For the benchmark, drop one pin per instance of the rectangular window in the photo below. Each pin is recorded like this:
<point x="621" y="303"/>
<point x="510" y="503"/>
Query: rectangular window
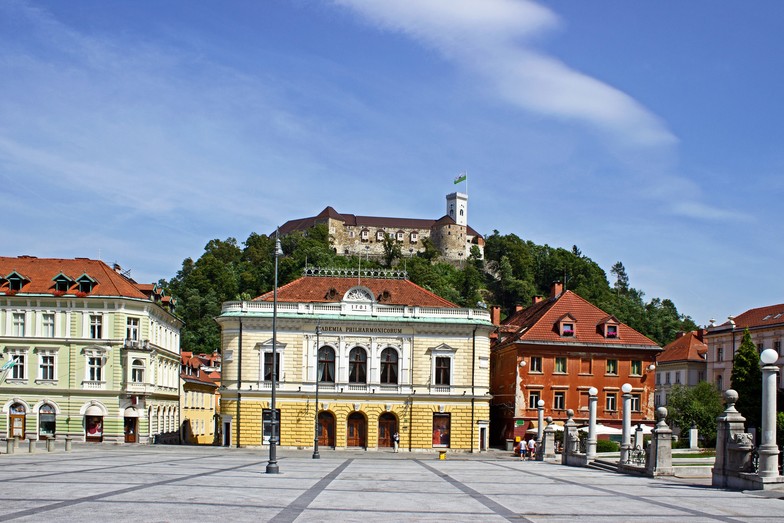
<point x="612" y="367"/>
<point x="635" y="403"/>
<point x="719" y="353"/>
<point x="533" y="399"/>
<point x="441" y="429"/>
<point x="18" y="371"/>
<point x="677" y="377"/>
<point x="132" y="329"/>
<point x="560" y="365"/>
<point x="658" y="378"/>
<point x="47" y="324"/>
<point x="586" y="366"/>
<point x="266" y="419"/>
<point x="777" y="346"/>
<point x="760" y="347"/>
<point x="636" y="368"/>
<point x="268" y="365"/>
<point x="536" y="364"/>
<point x="667" y="379"/>
<point x="567" y="329"/>
<point x="96" y="327"/>
<point x="559" y="400"/>
<point x="94" y="369"/>
<point x="442" y="370"/>
<point x="19" y="324"/>
<point x="612" y="331"/>
<point x="47" y="368"/>
<point x="611" y="401"/>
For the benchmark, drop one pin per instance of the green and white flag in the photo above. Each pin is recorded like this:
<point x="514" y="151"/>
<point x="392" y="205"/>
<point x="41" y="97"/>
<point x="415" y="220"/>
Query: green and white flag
<point x="461" y="177"/>
<point x="8" y="364"/>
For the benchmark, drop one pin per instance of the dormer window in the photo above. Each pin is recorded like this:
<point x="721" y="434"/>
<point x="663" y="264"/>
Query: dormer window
<point x="16" y="281"/>
<point x="86" y="283"/>
<point x="612" y="331"/>
<point x="62" y="283"/>
<point x="399" y="236"/>
<point x="608" y="327"/>
<point x="566" y="326"/>
<point x="414" y="237"/>
<point x="364" y="235"/>
<point x="379" y="236"/>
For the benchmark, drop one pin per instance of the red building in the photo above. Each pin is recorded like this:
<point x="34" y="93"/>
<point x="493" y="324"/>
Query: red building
<point x="555" y="351"/>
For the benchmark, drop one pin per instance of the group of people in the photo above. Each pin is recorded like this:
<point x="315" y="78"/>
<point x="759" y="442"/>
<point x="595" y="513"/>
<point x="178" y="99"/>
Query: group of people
<point x="527" y="449"/>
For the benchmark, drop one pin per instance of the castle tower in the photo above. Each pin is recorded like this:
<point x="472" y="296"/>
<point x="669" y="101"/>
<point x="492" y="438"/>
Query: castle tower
<point x="457" y="207"/>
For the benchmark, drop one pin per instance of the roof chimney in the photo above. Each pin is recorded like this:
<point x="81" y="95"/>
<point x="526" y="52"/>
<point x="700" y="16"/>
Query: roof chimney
<point x="495" y="314"/>
<point x="536" y="299"/>
<point x="680" y="335"/>
<point x="117" y="268"/>
<point x="518" y="308"/>
<point x="556" y="290"/>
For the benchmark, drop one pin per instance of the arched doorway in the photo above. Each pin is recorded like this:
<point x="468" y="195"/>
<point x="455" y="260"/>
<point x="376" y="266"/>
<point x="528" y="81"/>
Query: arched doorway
<point x="93" y="424"/>
<point x="387" y="425"/>
<point x="326" y="429"/>
<point x="356" y="429"/>
<point x="131" y="426"/>
<point x="16" y="421"/>
<point x="47" y="421"/>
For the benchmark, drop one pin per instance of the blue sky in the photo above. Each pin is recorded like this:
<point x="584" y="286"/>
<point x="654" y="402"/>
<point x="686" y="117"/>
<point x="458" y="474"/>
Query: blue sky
<point x="648" y="133"/>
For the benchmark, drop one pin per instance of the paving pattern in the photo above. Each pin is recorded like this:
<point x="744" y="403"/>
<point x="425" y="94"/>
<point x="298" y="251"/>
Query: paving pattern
<point x="178" y="484"/>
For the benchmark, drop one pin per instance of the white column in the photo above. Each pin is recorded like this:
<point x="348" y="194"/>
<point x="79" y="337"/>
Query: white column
<point x="627" y="422"/>
<point x="768" y="450"/>
<point x="590" y="445"/>
<point x="540" y="408"/>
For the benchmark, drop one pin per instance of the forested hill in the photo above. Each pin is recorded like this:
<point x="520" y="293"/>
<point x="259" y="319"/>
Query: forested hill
<point x="512" y="273"/>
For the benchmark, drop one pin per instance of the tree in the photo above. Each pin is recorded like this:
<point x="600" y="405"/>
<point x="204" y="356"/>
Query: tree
<point x="746" y="379"/>
<point x="391" y="250"/>
<point x="699" y="405"/>
<point x="621" y="278"/>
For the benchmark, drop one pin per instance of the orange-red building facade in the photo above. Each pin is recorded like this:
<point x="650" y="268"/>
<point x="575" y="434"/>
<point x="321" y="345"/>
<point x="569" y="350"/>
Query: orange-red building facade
<point x="555" y="351"/>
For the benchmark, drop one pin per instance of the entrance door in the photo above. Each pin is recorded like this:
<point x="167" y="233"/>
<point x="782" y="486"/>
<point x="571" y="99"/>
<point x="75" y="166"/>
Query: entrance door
<point x="94" y="428"/>
<point x="387" y="425"/>
<point x="355" y="433"/>
<point x="326" y="429"/>
<point x="17" y="421"/>
<point x="131" y="427"/>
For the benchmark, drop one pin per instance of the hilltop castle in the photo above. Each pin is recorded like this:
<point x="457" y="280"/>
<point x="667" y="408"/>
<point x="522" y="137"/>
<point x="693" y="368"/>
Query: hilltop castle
<point x="350" y="234"/>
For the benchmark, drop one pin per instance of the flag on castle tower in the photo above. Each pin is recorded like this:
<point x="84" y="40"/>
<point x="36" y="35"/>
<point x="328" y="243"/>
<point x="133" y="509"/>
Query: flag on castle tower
<point x="461" y="177"/>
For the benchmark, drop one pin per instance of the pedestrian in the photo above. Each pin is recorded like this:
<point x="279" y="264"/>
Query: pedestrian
<point x="395" y="441"/>
<point x="531" y="448"/>
<point x="522" y="450"/>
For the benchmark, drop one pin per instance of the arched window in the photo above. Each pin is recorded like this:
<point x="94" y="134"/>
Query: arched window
<point x="326" y="364"/>
<point x="357" y="365"/>
<point x="389" y="366"/>
<point x="137" y="371"/>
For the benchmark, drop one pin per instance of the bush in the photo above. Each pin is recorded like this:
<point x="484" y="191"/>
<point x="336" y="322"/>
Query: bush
<point x="605" y="445"/>
<point x="680" y="443"/>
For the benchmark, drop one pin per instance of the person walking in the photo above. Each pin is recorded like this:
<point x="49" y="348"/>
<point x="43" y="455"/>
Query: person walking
<point x="395" y="441"/>
<point x="531" y="449"/>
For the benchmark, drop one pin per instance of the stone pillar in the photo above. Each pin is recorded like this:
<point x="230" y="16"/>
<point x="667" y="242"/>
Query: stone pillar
<point x="730" y="425"/>
<point x="590" y="444"/>
<point x="694" y="442"/>
<point x="50" y="444"/>
<point x="68" y="443"/>
<point x="571" y="442"/>
<point x="31" y="440"/>
<point x="768" y="450"/>
<point x="659" y="462"/>
<point x="638" y="439"/>
<point x="9" y="446"/>
<point x="627" y="423"/>
<point x="16" y="443"/>
<point x="546" y="450"/>
<point x="540" y="421"/>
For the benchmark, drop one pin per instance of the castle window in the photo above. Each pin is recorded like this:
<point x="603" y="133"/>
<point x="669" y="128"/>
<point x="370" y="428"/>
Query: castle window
<point x="379" y="236"/>
<point x="365" y="235"/>
<point x="399" y="236"/>
<point x="414" y="237"/>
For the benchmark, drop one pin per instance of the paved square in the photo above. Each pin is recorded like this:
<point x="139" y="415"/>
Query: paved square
<point x="173" y="484"/>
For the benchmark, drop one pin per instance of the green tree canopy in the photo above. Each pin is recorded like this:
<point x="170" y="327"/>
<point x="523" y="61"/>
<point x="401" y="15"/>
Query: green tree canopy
<point x="746" y="379"/>
<point x="699" y="405"/>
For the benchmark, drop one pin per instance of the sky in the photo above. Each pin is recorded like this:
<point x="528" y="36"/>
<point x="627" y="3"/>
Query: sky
<point x="643" y="132"/>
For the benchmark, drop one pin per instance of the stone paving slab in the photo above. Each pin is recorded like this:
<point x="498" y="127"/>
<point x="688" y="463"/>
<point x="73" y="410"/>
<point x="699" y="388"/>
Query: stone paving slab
<point x="187" y="484"/>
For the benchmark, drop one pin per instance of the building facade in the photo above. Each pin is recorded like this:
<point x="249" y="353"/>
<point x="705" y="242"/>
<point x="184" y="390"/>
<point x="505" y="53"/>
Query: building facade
<point x="364" y="235"/>
<point x="555" y="351"/>
<point x="382" y="355"/>
<point x="200" y="399"/>
<point x="766" y="326"/>
<point x="683" y="362"/>
<point x="87" y="353"/>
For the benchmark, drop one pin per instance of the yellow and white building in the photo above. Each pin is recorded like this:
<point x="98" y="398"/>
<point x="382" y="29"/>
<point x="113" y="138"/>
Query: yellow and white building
<point x="383" y="355"/>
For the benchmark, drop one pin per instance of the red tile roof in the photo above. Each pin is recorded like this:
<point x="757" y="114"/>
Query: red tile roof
<point x="41" y="273"/>
<point x="759" y="317"/>
<point x="688" y="347"/>
<point x="319" y="289"/>
<point x="540" y="322"/>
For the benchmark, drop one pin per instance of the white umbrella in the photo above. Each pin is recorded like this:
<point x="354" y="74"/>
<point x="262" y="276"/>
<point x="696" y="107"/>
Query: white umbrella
<point x="606" y="430"/>
<point x="558" y="428"/>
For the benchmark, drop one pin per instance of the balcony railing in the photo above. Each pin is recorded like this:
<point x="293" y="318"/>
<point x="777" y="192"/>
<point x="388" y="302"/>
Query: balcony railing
<point x="93" y="385"/>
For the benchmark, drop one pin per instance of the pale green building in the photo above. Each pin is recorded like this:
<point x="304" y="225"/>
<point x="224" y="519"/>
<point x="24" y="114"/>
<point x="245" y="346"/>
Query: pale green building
<point x="86" y="352"/>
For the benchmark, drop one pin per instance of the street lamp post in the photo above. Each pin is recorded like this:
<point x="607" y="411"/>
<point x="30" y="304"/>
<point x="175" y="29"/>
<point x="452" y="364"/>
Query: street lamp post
<point x="627" y="422"/>
<point x="316" y="454"/>
<point x="768" y="450"/>
<point x="272" y="465"/>
<point x="590" y="444"/>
